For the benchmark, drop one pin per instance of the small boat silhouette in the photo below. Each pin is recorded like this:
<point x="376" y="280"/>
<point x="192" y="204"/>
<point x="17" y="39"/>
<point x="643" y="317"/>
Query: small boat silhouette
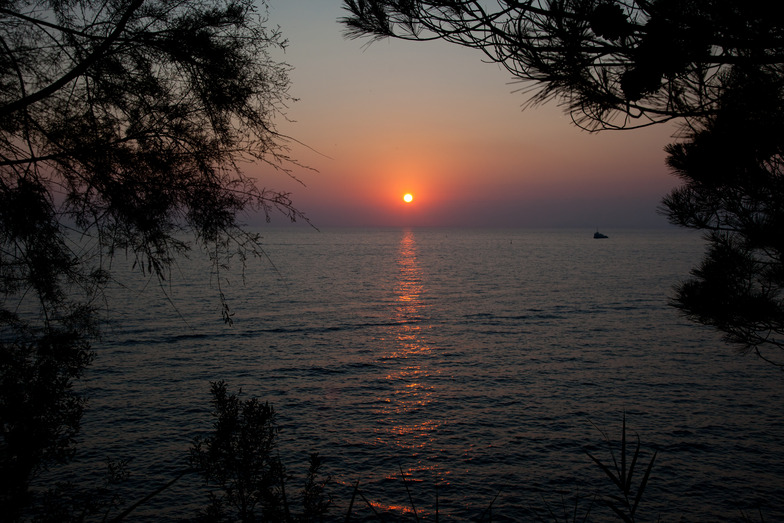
<point x="597" y="234"/>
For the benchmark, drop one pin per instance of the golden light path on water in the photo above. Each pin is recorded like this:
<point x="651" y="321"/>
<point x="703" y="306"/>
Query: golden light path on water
<point x="405" y="422"/>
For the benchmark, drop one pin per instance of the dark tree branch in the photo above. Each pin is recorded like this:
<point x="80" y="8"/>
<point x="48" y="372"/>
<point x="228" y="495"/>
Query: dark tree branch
<point x="77" y="71"/>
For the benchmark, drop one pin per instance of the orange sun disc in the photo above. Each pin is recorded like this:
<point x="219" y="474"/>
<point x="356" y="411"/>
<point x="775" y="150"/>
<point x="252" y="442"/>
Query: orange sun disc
<point x="408" y="198"/>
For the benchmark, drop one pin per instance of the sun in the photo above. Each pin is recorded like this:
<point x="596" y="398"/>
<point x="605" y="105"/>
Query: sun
<point x="408" y="197"/>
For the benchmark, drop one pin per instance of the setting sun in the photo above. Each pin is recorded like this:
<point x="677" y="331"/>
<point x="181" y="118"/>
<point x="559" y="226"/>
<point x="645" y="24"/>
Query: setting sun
<point x="408" y="198"/>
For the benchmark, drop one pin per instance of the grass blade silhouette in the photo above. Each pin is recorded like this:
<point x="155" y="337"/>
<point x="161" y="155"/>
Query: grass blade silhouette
<point x="627" y="500"/>
<point x="410" y="499"/>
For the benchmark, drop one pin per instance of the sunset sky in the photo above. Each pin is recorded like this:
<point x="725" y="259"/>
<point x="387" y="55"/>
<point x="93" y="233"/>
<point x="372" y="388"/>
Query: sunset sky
<point x="434" y="120"/>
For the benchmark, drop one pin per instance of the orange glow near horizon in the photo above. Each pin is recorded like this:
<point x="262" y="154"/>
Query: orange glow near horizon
<point x="490" y="163"/>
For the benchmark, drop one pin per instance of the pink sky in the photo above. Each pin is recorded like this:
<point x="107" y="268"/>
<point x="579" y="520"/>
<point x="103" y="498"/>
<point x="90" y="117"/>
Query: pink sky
<point x="435" y="120"/>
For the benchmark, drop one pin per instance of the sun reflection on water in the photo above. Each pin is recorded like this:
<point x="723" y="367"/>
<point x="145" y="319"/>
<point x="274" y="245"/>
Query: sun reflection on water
<point x="406" y="412"/>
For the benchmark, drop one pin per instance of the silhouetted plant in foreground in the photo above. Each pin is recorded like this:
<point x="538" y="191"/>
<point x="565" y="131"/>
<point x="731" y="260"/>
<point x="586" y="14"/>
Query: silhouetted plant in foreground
<point x="566" y="513"/>
<point x="39" y="412"/>
<point x="239" y="457"/>
<point x="625" y="501"/>
<point x="70" y="502"/>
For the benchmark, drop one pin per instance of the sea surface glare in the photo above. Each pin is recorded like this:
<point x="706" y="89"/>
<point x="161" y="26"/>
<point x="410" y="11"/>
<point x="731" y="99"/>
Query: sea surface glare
<point x="481" y="363"/>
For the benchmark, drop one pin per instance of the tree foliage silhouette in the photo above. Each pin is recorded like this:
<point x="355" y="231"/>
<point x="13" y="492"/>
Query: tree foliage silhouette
<point x="714" y="65"/>
<point x="731" y="166"/>
<point x="239" y="457"/>
<point x="613" y="64"/>
<point x="123" y="125"/>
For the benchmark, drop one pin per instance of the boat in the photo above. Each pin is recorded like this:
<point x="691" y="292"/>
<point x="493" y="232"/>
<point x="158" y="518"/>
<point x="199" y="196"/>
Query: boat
<point x="598" y="235"/>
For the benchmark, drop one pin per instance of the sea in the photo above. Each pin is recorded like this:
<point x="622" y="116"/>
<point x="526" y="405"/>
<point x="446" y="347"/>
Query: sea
<point x="443" y="375"/>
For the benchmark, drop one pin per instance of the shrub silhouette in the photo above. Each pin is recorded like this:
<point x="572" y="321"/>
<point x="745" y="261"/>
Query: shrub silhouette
<point x="239" y="458"/>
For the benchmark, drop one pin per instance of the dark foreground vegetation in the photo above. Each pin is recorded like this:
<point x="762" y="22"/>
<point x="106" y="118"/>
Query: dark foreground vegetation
<point x="246" y="480"/>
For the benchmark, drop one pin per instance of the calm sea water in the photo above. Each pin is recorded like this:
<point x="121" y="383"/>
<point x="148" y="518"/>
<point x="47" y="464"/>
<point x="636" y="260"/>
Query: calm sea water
<point x="481" y="363"/>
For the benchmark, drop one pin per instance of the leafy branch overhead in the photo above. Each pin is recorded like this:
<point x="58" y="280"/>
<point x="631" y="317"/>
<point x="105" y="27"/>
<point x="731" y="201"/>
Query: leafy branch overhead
<point x="131" y="123"/>
<point x="612" y="64"/>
